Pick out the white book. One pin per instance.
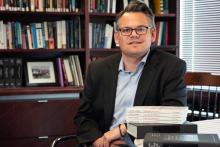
(108, 36)
(156, 114)
(59, 34)
(79, 70)
(160, 33)
(90, 35)
(4, 36)
(74, 69)
(9, 35)
(32, 5)
(113, 6)
(63, 23)
(108, 6)
(68, 70)
(125, 3)
(146, 2)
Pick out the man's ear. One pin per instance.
(116, 38)
(153, 35)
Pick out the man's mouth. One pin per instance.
(135, 42)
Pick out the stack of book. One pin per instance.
(157, 114)
(180, 140)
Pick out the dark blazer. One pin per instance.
(161, 83)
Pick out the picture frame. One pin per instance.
(40, 73)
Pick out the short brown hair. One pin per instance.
(137, 6)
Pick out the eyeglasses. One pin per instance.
(142, 30)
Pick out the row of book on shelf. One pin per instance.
(105, 6)
(100, 35)
(102, 6)
(40, 5)
(69, 71)
(162, 33)
(49, 35)
(14, 72)
(109, 6)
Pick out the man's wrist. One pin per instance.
(122, 129)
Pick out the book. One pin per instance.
(180, 140)
(18, 72)
(156, 114)
(138, 130)
(1, 73)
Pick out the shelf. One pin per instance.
(38, 52)
(165, 15)
(36, 14)
(39, 90)
(30, 17)
(102, 14)
(2, 51)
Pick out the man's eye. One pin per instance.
(140, 29)
(126, 30)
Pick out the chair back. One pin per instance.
(202, 95)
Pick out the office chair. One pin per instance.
(202, 95)
(62, 139)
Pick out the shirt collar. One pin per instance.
(143, 61)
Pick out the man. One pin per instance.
(136, 76)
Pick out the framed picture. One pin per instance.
(40, 73)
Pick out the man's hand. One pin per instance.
(113, 134)
(101, 142)
(111, 138)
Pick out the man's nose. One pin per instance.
(134, 33)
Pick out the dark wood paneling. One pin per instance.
(34, 142)
(34, 119)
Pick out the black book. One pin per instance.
(138, 130)
(2, 81)
(181, 140)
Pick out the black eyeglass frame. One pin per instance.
(135, 29)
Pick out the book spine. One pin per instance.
(60, 72)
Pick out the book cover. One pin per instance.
(18, 72)
(138, 130)
(180, 140)
(60, 72)
(2, 80)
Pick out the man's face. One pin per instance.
(134, 45)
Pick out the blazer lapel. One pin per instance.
(146, 79)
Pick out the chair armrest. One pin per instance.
(62, 139)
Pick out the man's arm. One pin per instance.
(174, 89)
(87, 127)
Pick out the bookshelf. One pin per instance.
(18, 100)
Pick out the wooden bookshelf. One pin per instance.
(85, 54)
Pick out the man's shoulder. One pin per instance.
(164, 57)
(107, 61)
